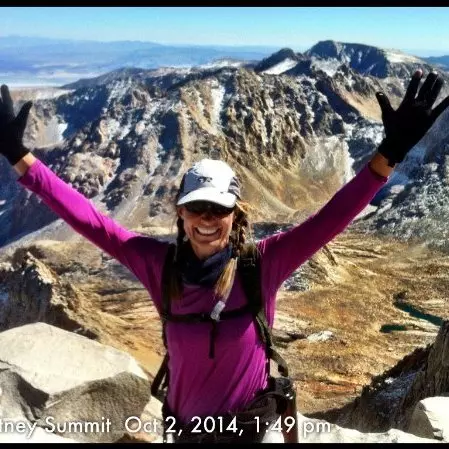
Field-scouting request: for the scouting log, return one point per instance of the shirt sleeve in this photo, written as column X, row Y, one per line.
column 283, row 253
column 80, row 213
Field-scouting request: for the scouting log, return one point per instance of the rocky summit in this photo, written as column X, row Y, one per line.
column 362, row 324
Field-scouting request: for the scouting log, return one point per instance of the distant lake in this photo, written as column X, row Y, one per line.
column 415, row 313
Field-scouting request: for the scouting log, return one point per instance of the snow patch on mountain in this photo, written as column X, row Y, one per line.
column 119, row 89
column 53, row 132
column 139, row 129
column 218, row 93
column 112, row 128
column 180, row 70
column 47, row 94
column 221, row 64
column 328, row 66
column 281, row 67
column 126, row 128
column 61, row 129
column 349, row 130
column 402, row 175
column 371, row 131
column 329, row 153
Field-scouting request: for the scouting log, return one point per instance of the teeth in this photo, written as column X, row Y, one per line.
column 207, row 231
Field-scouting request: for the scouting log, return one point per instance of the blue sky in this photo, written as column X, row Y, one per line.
column 423, row 31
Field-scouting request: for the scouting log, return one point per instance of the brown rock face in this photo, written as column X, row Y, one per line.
column 34, row 292
column 390, row 399
column 431, row 380
column 36, row 295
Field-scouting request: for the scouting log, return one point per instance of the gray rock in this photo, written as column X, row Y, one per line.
column 430, row 418
column 62, row 381
column 320, row 336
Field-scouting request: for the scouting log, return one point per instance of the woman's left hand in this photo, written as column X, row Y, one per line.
column 405, row 126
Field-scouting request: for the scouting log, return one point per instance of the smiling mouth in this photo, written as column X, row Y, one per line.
column 206, row 232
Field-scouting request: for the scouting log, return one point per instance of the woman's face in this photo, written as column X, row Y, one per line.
column 207, row 226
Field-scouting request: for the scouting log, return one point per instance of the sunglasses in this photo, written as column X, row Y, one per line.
column 201, row 207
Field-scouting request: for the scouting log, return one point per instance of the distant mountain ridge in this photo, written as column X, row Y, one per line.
column 46, row 61
column 61, row 61
column 439, row 61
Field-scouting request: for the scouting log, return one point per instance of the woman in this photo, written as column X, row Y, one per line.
column 224, row 378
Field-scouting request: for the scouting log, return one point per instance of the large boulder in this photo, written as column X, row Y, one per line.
column 69, row 384
column 430, row 419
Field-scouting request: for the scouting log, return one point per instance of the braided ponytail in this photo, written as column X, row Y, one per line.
column 240, row 225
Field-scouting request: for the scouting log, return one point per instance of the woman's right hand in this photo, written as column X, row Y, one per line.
column 12, row 127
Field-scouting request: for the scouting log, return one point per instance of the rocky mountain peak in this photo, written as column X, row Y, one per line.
column 326, row 49
column 334, row 49
column 367, row 59
column 286, row 56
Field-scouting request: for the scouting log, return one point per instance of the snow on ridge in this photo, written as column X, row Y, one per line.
column 38, row 91
column 181, row 70
column 221, row 63
column 396, row 56
column 49, row 94
column 119, row 89
column 281, row 67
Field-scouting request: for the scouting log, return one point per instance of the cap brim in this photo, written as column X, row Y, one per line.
column 211, row 194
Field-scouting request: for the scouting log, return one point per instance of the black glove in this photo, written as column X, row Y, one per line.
column 405, row 127
column 12, row 128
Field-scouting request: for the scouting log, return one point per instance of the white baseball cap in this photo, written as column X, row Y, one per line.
column 210, row 180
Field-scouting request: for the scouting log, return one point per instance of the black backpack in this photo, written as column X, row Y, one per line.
column 248, row 266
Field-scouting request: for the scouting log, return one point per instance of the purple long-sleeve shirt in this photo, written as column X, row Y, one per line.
column 200, row 385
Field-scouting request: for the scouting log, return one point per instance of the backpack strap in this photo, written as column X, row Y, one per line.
column 249, row 268
column 163, row 373
column 166, row 288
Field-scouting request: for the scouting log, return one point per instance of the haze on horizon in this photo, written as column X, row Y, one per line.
column 422, row 31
